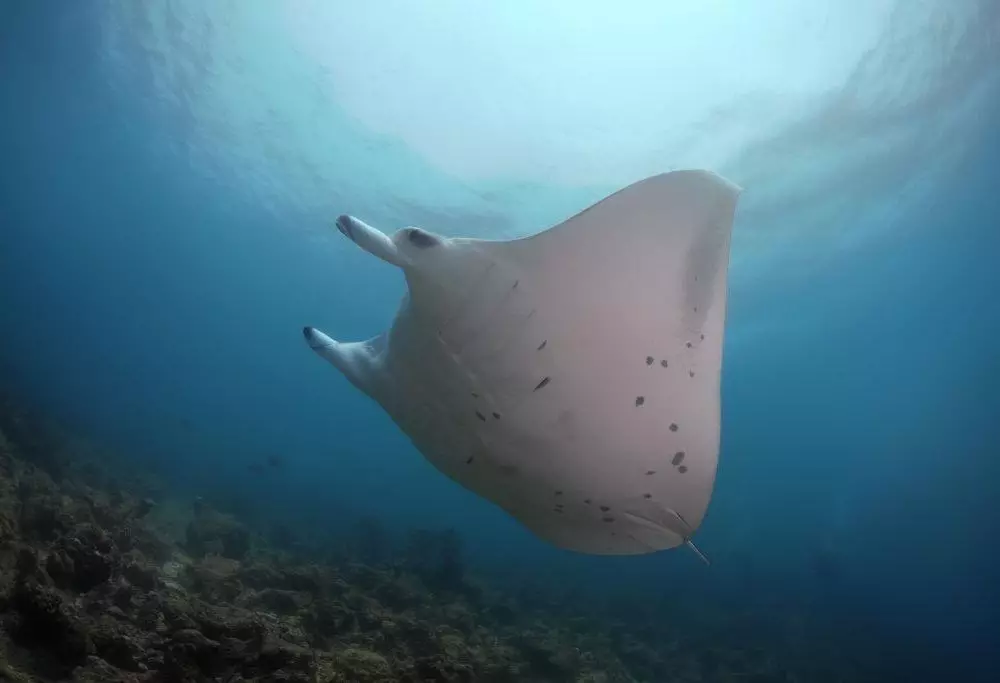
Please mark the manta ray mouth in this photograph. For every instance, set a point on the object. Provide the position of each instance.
(344, 225)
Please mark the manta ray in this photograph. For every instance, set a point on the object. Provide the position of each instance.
(571, 377)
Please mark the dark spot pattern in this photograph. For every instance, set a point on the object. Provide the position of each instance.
(647, 496)
(673, 427)
(639, 400)
(557, 509)
(695, 309)
(480, 416)
(496, 415)
(607, 518)
(516, 283)
(604, 508)
(664, 363)
(682, 469)
(475, 395)
(468, 461)
(703, 337)
(545, 381)
(542, 345)
(587, 501)
(650, 473)
(559, 493)
(690, 373)
(677, 459)
(688, 345)
(649, 360)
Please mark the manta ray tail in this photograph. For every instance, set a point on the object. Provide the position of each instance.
(701, 555)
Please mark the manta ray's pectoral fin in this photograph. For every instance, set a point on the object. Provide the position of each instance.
(354, 359)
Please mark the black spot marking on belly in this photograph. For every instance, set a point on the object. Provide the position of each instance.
(544, 382)
(516, 283)
(542, 345)
(607, 518)
(677, 459)
(496, 415)
(558, 493)
(475, 395)
(703, 337)
(682, 469)
(557, 509)
(650, 472)
(480, 416)
(604, 508)
(639, 400)
(587, 501)
(664, 363)
(673, 427)
(695, 309)
(649, 360)
(647, 496)
(688, 345)
(468, 461)
(690, 373)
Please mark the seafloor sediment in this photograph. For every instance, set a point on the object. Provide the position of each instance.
(93, 587)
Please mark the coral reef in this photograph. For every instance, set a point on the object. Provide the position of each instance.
(94, 588)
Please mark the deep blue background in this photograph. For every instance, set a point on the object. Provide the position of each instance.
(161, 310)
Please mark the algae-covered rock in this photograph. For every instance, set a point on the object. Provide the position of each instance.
(276, 653)
(216, 533)
(96, 670)
(90, 550)
(47, 621)
(141, 574)
(328, 618)
(359, 665)
(119, 644)
(283, 601)
(99, 585)
(189, 654)
(401, 592)
(8, 674)
(215, 578)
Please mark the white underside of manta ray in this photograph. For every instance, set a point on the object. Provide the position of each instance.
(571, 377)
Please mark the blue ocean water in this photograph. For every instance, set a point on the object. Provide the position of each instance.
(169, 176)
